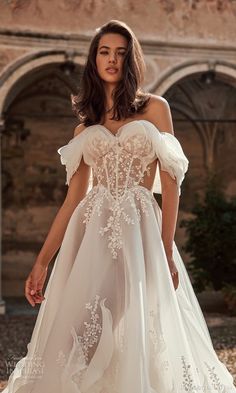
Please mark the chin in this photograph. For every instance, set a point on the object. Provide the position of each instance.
(111, 80)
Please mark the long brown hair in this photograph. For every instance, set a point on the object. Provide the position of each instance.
(128, 97)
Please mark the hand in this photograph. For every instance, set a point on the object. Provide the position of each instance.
(34, 284)
(174, 272)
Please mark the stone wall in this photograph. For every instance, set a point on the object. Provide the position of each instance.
(180, 39)
(165, 20)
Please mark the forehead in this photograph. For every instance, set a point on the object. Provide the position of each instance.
(112, 40)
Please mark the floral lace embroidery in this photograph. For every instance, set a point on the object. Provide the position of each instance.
(188, 379)
(119, 167)
(214, 378)
(187, 376)
(118, 172)
(113, 227)
(80, 354)
(92, 329)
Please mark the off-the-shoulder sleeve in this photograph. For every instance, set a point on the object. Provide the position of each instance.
(171, 159)
(71, 154)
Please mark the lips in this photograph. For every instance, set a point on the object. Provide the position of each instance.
(112, 70)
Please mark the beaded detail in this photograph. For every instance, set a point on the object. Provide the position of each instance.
(139, 139)
(75, 365)
(214, 378)
(119, 213)
(188, 380)
(92, 330)
(187, 376)
(119, 167)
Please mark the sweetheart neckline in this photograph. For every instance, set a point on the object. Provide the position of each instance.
(116, 135)
(123, 125)
(119, 129)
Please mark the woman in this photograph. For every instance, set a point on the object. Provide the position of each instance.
(119, 313)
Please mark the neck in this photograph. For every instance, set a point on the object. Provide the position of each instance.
(109, 88)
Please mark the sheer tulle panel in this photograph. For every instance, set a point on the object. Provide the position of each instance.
(117, 172)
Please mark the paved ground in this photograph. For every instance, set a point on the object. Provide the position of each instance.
(17, 325)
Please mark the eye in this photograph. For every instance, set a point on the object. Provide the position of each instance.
(121, 53)
(104, 52)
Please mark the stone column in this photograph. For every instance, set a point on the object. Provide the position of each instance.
(2, 302)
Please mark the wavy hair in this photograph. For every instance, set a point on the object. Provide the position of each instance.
(128, 97)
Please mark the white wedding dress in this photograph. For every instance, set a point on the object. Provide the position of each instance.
(112, 321)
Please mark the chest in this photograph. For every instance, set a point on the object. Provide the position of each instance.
(113, 126)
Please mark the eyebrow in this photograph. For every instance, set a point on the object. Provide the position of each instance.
(107, 47)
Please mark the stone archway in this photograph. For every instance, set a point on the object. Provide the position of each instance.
(28, 63)
(35, 103)
(182, 70)
(202, 105)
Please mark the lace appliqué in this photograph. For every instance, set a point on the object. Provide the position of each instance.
(187, 376)
(77, 362)
(188, 382)
(92, 330)
(119, 165)
(119, 212)
(214, 378)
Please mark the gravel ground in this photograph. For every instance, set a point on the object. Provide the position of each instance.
(17, 325)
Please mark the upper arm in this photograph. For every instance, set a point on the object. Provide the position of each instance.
(159, 114)
(79, 182)
(79, 129)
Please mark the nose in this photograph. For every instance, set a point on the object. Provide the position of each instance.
(112, 58)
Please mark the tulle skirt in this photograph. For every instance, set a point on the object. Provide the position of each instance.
(111, 321)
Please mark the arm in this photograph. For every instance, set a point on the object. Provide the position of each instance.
(170, 193)
(75, 193)
(170, 204)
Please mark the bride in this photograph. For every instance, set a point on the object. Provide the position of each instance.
(119, 314)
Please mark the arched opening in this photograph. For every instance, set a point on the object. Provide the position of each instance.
(38, 118)
(202, 106)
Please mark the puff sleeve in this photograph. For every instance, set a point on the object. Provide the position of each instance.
(71, 154)
(171, 158)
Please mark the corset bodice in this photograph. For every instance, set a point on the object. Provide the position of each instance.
(121, 161)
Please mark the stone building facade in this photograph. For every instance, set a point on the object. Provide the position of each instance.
(190, 54)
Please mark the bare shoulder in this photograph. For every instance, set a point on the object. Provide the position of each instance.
(157, 102)
(158, 112)
(78, 129)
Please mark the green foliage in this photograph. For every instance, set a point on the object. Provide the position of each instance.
(229, 292)
(212, 240)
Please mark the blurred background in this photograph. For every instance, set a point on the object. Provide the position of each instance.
(190, 54)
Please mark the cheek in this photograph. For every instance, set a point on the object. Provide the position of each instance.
(100, 65)
(121, 62)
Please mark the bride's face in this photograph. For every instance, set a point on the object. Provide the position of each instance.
(110, 57)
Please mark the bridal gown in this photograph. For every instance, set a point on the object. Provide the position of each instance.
(112, 321)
